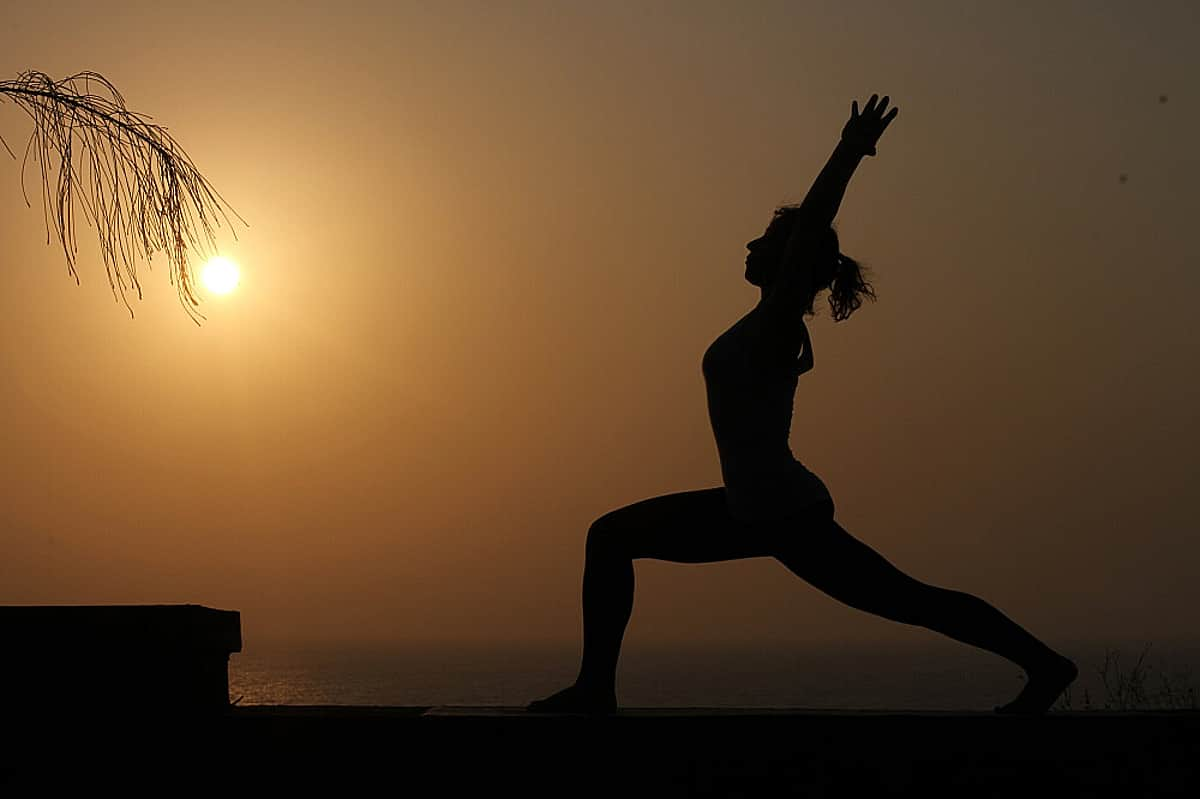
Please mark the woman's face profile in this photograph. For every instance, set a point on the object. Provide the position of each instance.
(764, 254)
(767, 251)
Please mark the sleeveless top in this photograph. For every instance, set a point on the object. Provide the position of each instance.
(750, 409)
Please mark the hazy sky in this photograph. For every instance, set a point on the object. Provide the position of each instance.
(488, 244)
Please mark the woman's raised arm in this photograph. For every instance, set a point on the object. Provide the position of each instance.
(859, 137)
(779, 308)
(820, 205)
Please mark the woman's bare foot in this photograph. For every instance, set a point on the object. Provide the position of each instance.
(1043, 687)
(576, 699)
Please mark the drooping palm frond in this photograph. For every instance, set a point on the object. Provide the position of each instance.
(135, 184)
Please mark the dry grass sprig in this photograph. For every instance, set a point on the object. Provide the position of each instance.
(136, 185)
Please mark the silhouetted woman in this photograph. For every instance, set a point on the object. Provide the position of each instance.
(771, 505)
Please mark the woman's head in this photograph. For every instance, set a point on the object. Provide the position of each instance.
(841, 275)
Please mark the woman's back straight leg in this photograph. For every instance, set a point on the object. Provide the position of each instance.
(837, 563)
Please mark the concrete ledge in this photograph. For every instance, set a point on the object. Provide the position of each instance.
(117, 659)
(47, 628)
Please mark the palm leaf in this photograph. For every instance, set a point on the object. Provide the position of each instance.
(135, 184)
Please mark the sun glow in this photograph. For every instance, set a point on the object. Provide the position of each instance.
(220, 275)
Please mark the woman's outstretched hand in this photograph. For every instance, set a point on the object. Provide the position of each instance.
(864, 129)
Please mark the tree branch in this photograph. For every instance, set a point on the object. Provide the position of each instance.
(134, 182)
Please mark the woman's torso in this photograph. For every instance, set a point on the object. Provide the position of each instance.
(750, 408)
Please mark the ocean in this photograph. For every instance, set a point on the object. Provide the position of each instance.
(941, 676)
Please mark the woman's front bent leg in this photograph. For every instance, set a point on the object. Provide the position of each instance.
(686, 527)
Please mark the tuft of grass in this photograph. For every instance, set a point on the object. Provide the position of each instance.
(1136, 686)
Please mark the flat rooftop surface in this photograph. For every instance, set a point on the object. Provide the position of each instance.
(465, 711)
(1187, 718)
(659, 752)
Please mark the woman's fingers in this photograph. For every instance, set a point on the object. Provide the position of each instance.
(881, 110)
(871, 122)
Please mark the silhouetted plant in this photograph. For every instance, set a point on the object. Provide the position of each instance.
(1133, 688)
(135, 184)
(1126, 690)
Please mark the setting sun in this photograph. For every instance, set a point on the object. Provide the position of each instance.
(220, 275)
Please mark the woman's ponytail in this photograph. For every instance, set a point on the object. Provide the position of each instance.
(848, 288)
(843, 276)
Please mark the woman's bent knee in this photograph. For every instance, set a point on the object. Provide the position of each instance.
(605, 539)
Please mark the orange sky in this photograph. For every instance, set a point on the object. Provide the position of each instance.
(487, 248)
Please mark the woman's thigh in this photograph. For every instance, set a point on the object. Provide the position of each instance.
(690, 527)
